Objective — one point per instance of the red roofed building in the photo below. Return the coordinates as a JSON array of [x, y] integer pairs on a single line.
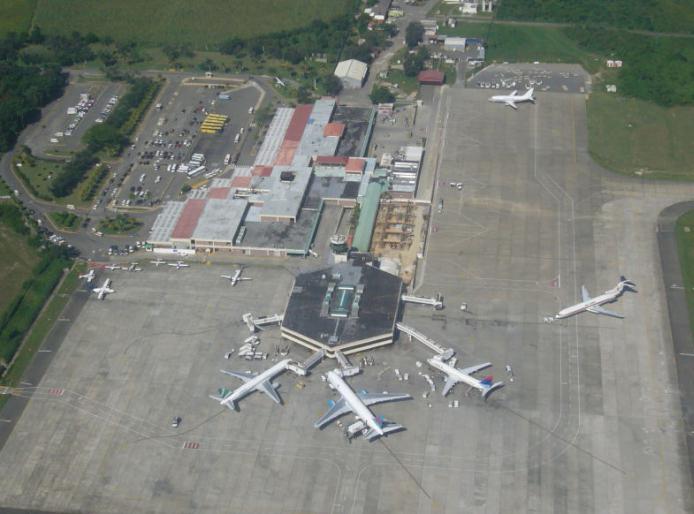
[[431, 77], [355, 165], [218, 192], [189, 219], [242, 182], [261, 171], [330, 160], [334, 129]]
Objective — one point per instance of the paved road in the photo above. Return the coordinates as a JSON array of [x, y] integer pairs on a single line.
[[679, 317]]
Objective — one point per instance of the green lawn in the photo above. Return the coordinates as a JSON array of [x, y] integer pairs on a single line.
[[684, 233], [4, 189], [65, 220], [39, 173], [525, 44], [639, 138], [17, 259], [15, 15], [200, 22]]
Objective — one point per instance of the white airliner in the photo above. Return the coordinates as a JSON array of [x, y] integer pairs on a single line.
[[236, 277], [89, 276], [158, 262], [593, 304], [252, 382], [103, 290], [486, 386], [179, 264], [358, 404], [513, 99], [112, 267]]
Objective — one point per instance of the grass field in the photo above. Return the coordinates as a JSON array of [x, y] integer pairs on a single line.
[[17, 259], [200, 23], [525, 44], [39, 174], [16, 15], [640, 138], [684, 233], [65, 220]]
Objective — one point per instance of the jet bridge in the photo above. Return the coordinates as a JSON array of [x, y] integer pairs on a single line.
[[445, 353], [347, 369], [436, 302], [254, 324], [301, 368]]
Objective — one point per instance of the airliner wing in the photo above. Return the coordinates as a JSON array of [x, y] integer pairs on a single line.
[[374, 398], [450, 382], [585, 295], [513, 93], [335, 412], [267, 388], [511, 104], [245, 376], [476, 368], [599, 310]]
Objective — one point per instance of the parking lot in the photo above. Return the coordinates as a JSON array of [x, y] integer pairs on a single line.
[[60, 132], [557, 78], [161, 159]]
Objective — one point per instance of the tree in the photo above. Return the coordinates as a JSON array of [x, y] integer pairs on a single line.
[[381, 95], [331, 84], [303, 95], [414, 63], [414, 34], [105, 136]]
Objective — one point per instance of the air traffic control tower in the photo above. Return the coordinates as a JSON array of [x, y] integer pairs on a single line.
[[349, 307]]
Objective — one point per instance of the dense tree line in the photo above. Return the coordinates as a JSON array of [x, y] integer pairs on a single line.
[[24, 89], [660, 70], [656, 15]]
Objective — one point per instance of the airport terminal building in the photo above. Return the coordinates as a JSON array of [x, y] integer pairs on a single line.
[[349, 307], [274, 206]]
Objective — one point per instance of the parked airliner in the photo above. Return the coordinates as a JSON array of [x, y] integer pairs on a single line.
[[103, 290], [236, 277], [513, 99], [358, 404], [89, 276], [252, 382], [486, 386], [593, 304]]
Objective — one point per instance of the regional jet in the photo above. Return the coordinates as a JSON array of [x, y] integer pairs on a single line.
[[252, 382], [358, 403], [236, 277], [179, 264], [486, 386], [593, 304], [512, 99], [89, 276], [103, 290], [158, 262]]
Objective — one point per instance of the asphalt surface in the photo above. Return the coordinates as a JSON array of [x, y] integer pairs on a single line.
[[90, 245], [679, 316], [592, 421]]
